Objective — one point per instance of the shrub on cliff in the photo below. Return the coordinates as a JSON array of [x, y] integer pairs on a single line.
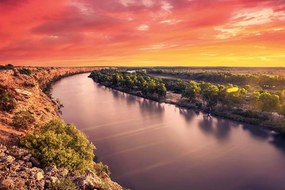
[[7, 102], [25, 71], [23, 119], [60, 144], [63, 184], [7, 67], [101, 168]]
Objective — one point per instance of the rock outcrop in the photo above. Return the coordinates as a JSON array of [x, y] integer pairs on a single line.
[[27, 90], [19, 170]]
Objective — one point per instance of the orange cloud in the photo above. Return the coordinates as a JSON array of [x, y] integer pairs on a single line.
[[144, 32]]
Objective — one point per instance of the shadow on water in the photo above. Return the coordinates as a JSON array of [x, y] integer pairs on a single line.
[[131, 99], [207, 125], [147, 107], [278, 141], [256, 132], [123, 96], [223, 129], [220, 128], [188, 114]]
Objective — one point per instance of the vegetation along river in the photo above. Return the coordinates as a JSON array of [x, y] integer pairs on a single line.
[[152, 146]]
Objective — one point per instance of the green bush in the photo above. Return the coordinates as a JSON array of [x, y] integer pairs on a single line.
[[7, 102], [60, 144], [23, 119], [63, 184]]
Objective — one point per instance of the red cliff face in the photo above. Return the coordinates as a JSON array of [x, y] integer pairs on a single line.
[[26, 90], [22, 96]]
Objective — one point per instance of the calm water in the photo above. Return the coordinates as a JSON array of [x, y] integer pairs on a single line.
[[151, 146]]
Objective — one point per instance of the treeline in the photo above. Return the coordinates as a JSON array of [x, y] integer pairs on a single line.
[[264, 81], [136, 83], [232, 102], [228, 95]]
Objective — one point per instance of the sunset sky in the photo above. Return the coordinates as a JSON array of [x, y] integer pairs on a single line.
[[142, 32]]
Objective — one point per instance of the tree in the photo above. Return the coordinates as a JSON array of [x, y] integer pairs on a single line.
[[282, 96], [115, 79], [269, 102], [247, 87], [192, 90], [161, 90], [254, 100], [234, 96], [282, 110], [210, 94], [179, 86]]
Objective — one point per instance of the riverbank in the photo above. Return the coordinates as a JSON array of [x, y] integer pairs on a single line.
[[114, 80], [138, 84], [24, 107]]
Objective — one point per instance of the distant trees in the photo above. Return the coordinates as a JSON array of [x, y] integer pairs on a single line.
[[269, 102], [263, 81], [232, 95], [137, 83], [175, 85], [265, 101], [282, 110], [229, 95], [210, 94], [281, 95], [192, 90], [206, 94]]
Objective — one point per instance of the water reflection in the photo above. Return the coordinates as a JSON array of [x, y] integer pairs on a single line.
[[278, 141], [188, 114], [207, 125], [223, 129], [257, 132], [147, 107]]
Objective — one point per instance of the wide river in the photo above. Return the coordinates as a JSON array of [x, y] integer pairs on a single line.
[[152, 146]]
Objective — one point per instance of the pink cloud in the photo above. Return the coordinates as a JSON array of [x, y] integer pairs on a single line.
[[67, 28]]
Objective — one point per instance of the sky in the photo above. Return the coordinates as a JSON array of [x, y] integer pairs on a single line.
[[143, 32]]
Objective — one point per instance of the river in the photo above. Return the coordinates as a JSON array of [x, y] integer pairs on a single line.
[[152, 146]]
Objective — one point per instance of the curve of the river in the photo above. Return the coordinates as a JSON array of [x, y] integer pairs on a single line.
[[152, 146]]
